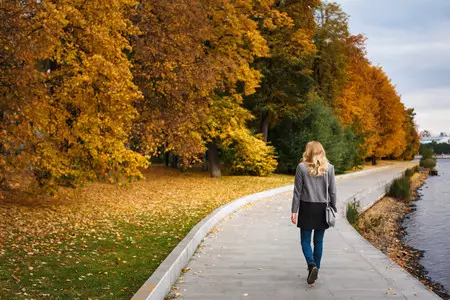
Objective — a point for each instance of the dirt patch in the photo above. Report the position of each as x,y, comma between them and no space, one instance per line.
382,226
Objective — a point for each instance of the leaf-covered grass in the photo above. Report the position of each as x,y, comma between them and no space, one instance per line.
103,241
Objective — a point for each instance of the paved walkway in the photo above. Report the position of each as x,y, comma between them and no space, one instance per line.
255,254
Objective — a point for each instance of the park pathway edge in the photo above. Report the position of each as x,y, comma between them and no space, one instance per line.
161,281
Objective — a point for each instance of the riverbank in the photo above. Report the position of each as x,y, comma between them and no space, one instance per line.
382,226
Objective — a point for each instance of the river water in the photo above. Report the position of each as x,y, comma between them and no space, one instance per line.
428,227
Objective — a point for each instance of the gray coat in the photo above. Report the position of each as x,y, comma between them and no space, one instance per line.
310,197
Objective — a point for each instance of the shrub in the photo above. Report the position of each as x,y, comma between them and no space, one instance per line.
353,212
428,163
400,188
411,171
249,154
427,152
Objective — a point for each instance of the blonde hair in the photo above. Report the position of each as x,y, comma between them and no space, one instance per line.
315,159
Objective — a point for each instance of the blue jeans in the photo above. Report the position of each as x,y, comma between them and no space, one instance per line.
305,238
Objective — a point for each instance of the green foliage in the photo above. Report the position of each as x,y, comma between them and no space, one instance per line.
286,71
438,148
353,213
250,155
331,60
282,92
355,152
441,148
400,188
427,152
412,138
411,171
316,123
428,160
429,163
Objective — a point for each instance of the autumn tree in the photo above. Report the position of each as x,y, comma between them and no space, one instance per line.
67,91
331,41
369,101
17,81
286,79
361,95
328,78
390,116
193,65
356,106
89,88
175,75
412,138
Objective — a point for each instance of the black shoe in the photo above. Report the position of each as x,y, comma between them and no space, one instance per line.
312,275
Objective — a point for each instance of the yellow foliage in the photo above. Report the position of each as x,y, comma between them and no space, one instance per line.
67,120
252,155
189,52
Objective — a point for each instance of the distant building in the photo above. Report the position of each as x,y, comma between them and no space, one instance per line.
437,139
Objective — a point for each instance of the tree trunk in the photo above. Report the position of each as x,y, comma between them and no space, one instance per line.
213,158
174,162
205,161
264,126
374,160
166,158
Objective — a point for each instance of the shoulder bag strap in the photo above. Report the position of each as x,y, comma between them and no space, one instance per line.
326,179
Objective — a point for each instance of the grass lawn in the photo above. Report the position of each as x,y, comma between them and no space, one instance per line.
368,165
103,241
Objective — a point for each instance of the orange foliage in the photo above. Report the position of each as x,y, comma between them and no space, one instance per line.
192,60
370,101
67,91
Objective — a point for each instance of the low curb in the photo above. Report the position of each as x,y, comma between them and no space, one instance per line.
162,280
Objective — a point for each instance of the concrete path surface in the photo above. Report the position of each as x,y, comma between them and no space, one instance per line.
255,254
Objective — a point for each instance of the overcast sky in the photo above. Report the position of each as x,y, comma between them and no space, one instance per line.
410,39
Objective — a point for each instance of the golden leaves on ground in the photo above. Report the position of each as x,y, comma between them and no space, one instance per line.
106,236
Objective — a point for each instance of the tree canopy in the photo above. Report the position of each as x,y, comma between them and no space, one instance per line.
95,90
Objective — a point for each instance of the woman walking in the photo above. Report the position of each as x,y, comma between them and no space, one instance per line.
314,186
